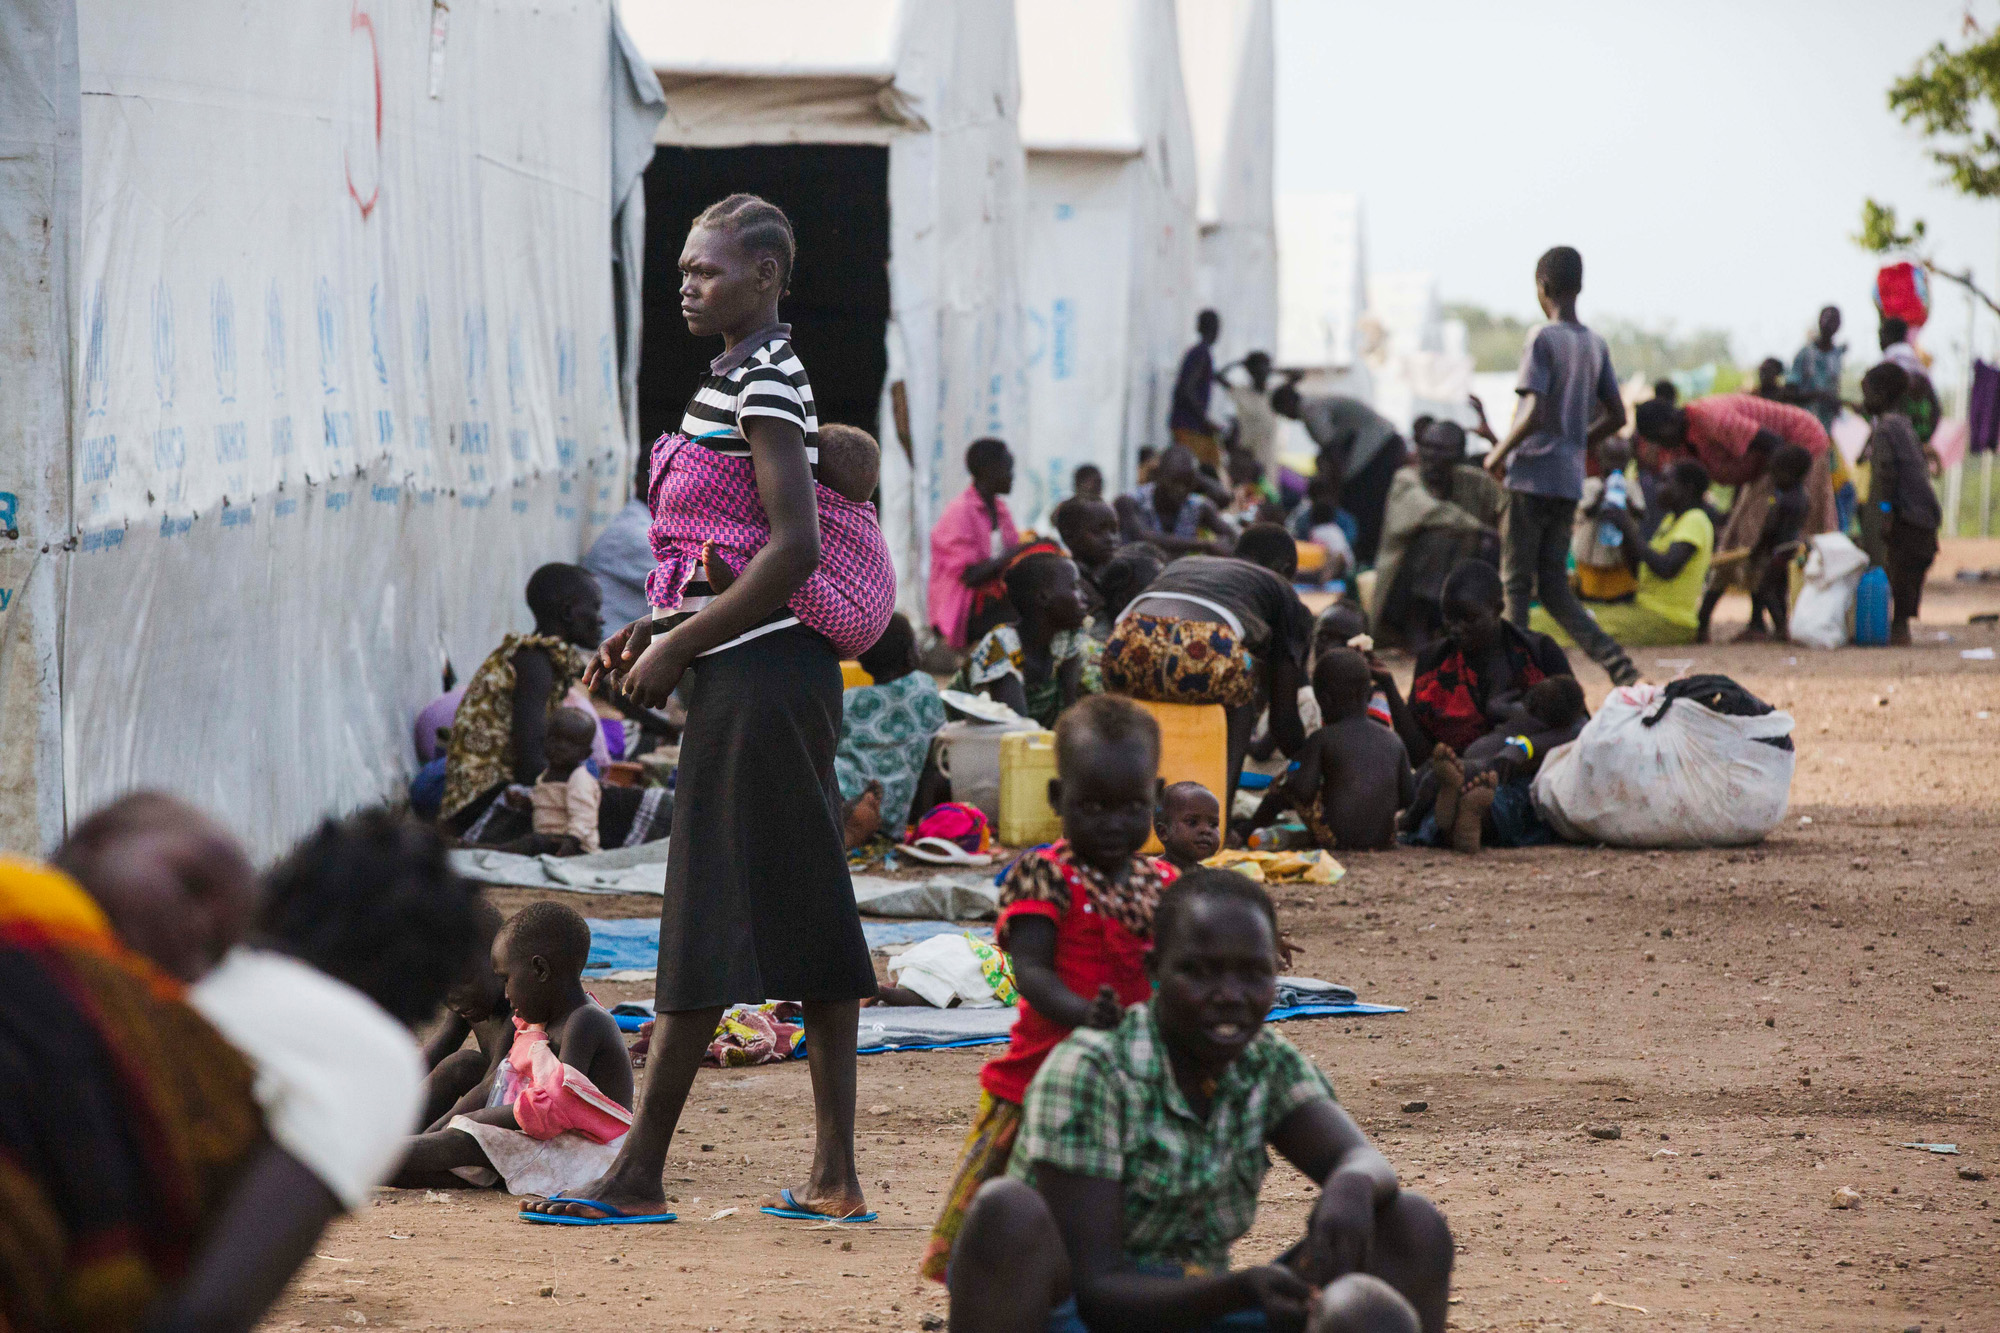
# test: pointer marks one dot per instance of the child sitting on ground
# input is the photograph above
(1076, 919)
(1458, 790)
(1041, 665)
(1353, 775)
(564, 801)
(1767, 569)
(475, 1006)
(1189, 824)
(553, 1115)
(848, 597)
(1089, 529)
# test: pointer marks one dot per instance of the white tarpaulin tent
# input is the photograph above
(326, 358)
(1111, 236)
(1228, 68)
(936, 86)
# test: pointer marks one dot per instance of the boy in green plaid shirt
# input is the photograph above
(1142, 1150)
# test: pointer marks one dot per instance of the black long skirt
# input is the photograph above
(758, 902)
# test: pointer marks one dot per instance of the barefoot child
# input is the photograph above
(1767, 569)
(554, 1114)
(1458, 791)
(1189, 825)
(1076, 919)
(848, 597)
(476, 1005)
(1353, 774)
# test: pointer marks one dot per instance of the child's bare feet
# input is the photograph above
(1451, 782)
(1472, 807)
(720, 575)
(863, 816)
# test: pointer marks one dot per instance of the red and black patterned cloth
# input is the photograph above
(1448, 698)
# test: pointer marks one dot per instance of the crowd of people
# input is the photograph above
(196, 1147)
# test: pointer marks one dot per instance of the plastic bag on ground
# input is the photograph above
(1696, 778)
(1822, 615)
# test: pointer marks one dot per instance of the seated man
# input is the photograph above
(1440, 511)
(1142, 1149)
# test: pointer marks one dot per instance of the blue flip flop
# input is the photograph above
(794, 1211)
(613, 1217)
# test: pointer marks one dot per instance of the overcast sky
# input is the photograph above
(1709, 157)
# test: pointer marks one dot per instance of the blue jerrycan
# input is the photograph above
(1871, 609)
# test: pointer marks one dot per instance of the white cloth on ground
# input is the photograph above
(944, 968)
(527, 1165)
(340, 1082)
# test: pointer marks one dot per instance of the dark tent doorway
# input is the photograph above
(837, 196)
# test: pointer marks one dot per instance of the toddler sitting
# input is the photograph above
(1188, 823)
(551, 1116)
(1353, 774)
(564, 801)
(705, 537)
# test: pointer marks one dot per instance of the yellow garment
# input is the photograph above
(30, 891)
(1604, 585)
(1632, 625)
(1301, 867)
(1678, 600)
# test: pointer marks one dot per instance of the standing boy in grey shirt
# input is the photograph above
(1569, 401)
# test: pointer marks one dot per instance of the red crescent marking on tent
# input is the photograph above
(359, 21)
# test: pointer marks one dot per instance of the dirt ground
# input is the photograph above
(1762, 1027)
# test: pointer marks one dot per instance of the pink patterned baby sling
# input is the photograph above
(698, 495)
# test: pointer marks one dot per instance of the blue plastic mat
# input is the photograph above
(918, 1029)
(632, 944)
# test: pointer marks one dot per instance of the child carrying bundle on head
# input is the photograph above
(702, 547)
(1076, 919)
(553, 1114)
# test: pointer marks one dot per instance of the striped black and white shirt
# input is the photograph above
(759, 377)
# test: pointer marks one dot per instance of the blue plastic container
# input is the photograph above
(1871, 609)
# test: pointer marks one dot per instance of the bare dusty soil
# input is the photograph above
(1761, 1027)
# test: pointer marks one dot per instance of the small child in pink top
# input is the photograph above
(702, 546)
(552, 1115)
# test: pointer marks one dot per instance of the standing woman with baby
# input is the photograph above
(758, 902)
